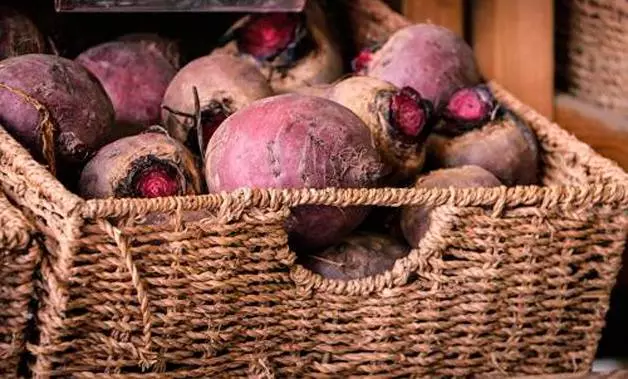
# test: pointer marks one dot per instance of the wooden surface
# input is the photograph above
(603, 131)
(513, 41)
(448, 13)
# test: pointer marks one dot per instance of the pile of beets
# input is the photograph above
(270, 106)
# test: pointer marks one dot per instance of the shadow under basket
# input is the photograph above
(19, 257)
(506, 281)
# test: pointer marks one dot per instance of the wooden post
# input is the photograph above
(448, 13)
(514, 44)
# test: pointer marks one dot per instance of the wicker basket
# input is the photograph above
(506, 281)
(592, 47)
(19, 257)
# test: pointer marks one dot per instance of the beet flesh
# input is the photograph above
(429, 58)
(18, 34)
(506, 147)
(468, 108)
(415, 220)
(135, 77)
(297, 141)
(357, 256)
(145, 165)
(80, 110)
(224, 84)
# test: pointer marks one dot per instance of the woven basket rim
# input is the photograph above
(68, 203)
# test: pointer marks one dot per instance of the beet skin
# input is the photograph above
(297, 141)
(429, 58)
(399, 120)
(169, 48)
(134, 75)
(506, 147)
(80, 110)
(144, 165)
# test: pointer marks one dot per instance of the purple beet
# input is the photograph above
(297, 141)
(134, 75)
(429, 58)
(80, 111)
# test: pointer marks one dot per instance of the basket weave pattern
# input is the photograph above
(506, 281)
(593, 46)
(19, 256)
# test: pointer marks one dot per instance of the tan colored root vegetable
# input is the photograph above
(357, 256)
(506, 147)
(415, 220)
(224, 83)
(291, 51)
(145, 165)
(399, 120)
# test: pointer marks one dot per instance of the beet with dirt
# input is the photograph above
(224, 84)
(505, 146)
(297, 141)
(415, 220)
(81, 114)
(291, 49)
(427, 57)
(357, 256)
(135, 77)
(145, 165)
(18, 34)
(399, 120)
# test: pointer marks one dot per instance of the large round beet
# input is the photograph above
(297, 141)
(429, 58)
(224, 84)
(134, 75)
(18, 34)
(79, 108)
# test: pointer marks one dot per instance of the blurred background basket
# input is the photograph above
(592, 51)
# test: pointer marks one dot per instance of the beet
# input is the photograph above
(357, 256)
(466, 109)
(169, 48)
(80, 111)
(18, 34)
(291, 49)
(145, 165)
(297, 141)
(415, 220)
(429, 58)
(134, 75)
(399, 120)
(224, 85)
(506, 147)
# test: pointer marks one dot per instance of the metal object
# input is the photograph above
(125, 6)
